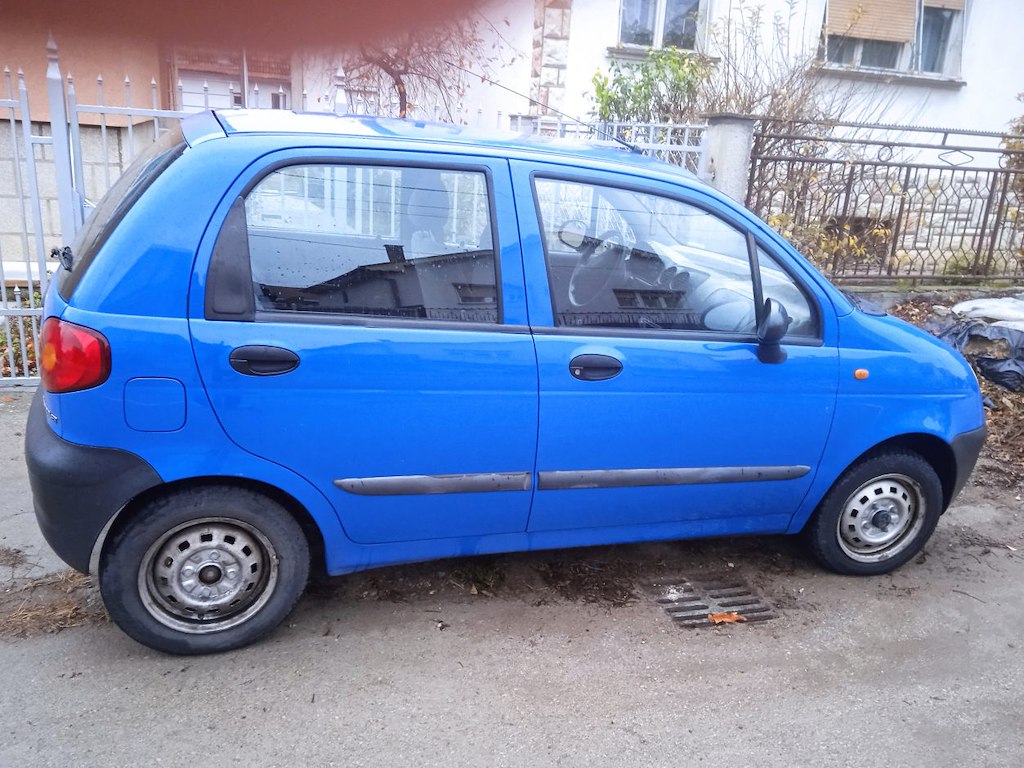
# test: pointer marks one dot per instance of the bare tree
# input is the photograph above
(430, 67)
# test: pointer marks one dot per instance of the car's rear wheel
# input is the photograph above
(878, 515)
(204, 570)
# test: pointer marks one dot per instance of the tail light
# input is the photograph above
(73, 357)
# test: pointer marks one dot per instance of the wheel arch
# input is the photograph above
(312, 532)
(934, 450)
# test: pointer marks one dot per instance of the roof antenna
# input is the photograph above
(591, 126)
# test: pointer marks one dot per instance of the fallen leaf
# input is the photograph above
(7, 399)
(730, 617)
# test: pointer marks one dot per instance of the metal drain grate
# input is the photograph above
(691, 603)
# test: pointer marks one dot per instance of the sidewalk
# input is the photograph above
(18, 529)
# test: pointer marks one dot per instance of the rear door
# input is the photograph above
(364, 325)
(655, 407)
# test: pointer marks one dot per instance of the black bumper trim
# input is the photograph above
(77, 489)
(966, 447)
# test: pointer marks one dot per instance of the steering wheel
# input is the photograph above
(601, 259)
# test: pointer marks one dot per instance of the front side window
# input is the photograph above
(374, 241)
(659, 23)
(626, 259)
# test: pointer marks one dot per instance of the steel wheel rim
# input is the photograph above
(881, 518)
(208, 575)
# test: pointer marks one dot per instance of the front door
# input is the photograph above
(364, 326)
(654, 405)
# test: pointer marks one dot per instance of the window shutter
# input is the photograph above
(891, 20)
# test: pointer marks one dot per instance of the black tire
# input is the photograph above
(878, 515)
(204, 570)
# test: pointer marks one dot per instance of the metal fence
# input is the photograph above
(23, 277)
(893, 203)
(681, 144)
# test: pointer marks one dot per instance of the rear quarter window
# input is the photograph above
(101, 222)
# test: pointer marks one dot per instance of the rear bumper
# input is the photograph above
(76, 489)
(966, 447)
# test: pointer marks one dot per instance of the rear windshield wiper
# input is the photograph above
(64, 256)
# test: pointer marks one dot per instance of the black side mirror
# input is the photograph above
(775, 321)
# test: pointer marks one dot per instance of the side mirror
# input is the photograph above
(775, 321)
(573, 234)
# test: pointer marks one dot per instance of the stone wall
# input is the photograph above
(550, 55)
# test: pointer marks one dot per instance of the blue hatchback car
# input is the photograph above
(286, 342)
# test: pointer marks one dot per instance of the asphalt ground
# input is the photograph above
(546, 659)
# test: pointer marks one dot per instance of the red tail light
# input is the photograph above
(73, 357)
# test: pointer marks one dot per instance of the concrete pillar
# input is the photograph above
(729, 142)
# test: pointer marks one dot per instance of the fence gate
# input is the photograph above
(23, 277)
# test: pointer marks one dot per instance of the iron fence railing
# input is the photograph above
(882, 203)
(681, 144)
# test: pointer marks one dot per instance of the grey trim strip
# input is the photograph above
(562, 480)
(409, 485)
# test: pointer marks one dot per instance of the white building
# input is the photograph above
(949, 63)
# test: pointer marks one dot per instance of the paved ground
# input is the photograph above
(409, 667)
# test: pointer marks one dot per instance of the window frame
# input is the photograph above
(752, 237)
(336, 318)
(658, 33)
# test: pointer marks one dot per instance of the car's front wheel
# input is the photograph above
(878, 515)
(204, 570)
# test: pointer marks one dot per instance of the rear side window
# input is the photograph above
(380, 241)
(119, 199)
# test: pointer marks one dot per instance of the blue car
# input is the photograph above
(289, 343)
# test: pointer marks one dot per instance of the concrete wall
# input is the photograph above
(102, 163)
(85, 58)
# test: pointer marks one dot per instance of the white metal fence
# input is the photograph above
(23, 275)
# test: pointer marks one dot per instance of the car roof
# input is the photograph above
(286, 122)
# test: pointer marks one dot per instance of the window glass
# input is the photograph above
(841, 49)
(936, 26)
(637, 22)
(681, 23)
(778, 285)
(880, 53)
(658, 263)
(102, 220)
(373, 240)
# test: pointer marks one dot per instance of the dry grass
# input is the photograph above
(49, 604)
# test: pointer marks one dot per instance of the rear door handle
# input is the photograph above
(261, 360)
(594, 367)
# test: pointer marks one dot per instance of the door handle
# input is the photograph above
(594, 367)
(260, 360)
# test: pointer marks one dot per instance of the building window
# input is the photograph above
(906, 35)
(860, 52)
(279, 100)
(659, 23)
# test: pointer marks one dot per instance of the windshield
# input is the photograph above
(118, 200)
